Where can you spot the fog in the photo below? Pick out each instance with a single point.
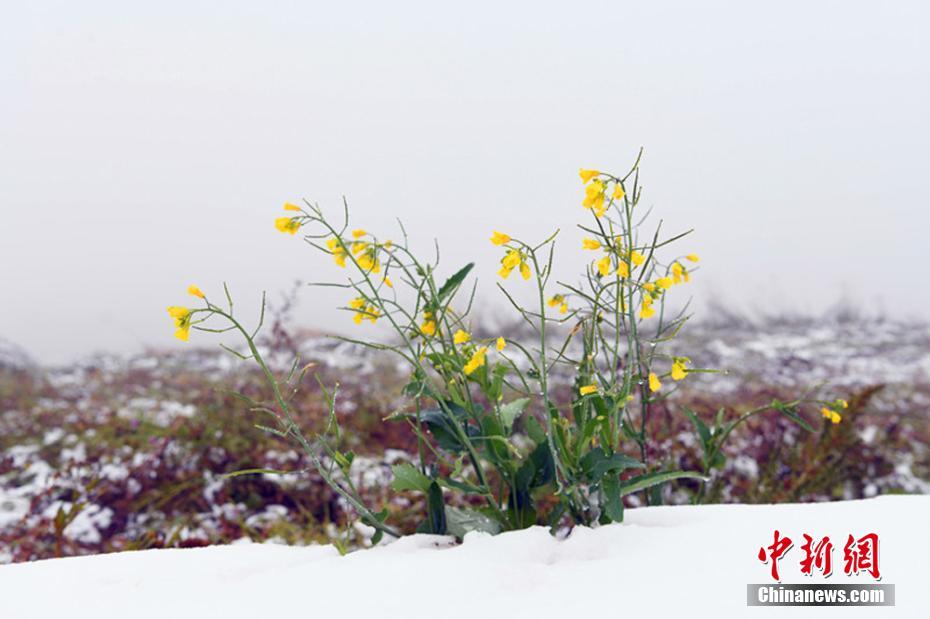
(147, 147)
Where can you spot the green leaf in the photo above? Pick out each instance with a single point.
(703, 430)
(460, 521)
(408, 477)
(535, 430)
(442, 425)
(613, 506)
(791, 413)
(454, 282)
(436, 510)
(596, 464)
(511, 411)
(651, 479)
(461, 486)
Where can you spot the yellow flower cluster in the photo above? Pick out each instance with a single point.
(654, 290)
(428, 328)
(365, 253)
(476, 361)
(182, 321)
(365, 310)
(338, 250)
(832, 413)
(595, 191)
(623, 260)
(288, 225)
(514, 259)
(560, 302)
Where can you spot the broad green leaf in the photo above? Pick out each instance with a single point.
(460, 521)
(408, 477)
(454, 282)
(651, 479)
(613, 506)
(596, 464)
(511, 411)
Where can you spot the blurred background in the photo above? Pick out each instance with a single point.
(146, 147)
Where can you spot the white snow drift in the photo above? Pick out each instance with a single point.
(662, 562)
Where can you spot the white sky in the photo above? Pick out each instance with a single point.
(147, 146)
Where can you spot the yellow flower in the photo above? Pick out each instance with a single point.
(587, 175)
(358, 247)
(832, 415)
(461, 337)
(291, 207)
(843, 403)
(637, 258)
(649, 287)
(603, 266)
(339, 252)
(512, 259)
(693, 257)
(677, 272)
(501, 343)
(559, 301)
(664, 282)
(587, 389)
(594, 197)
(654, 383)
(290, 225)
(647, 311)
(619, 192)
(623, 269)
(358, 233)
(197, 292)
(679, 369)
(476, 361)
(429, 325)
(590, 244)
(388, 282)
(365, 310)
(182, 320)
(368, 261)
(499, 238)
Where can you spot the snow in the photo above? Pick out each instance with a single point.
(663, 561)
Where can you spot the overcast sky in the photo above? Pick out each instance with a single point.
(146, 146)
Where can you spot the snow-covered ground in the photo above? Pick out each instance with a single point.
(662, 562)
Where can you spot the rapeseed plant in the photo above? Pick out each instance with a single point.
(482, 409)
